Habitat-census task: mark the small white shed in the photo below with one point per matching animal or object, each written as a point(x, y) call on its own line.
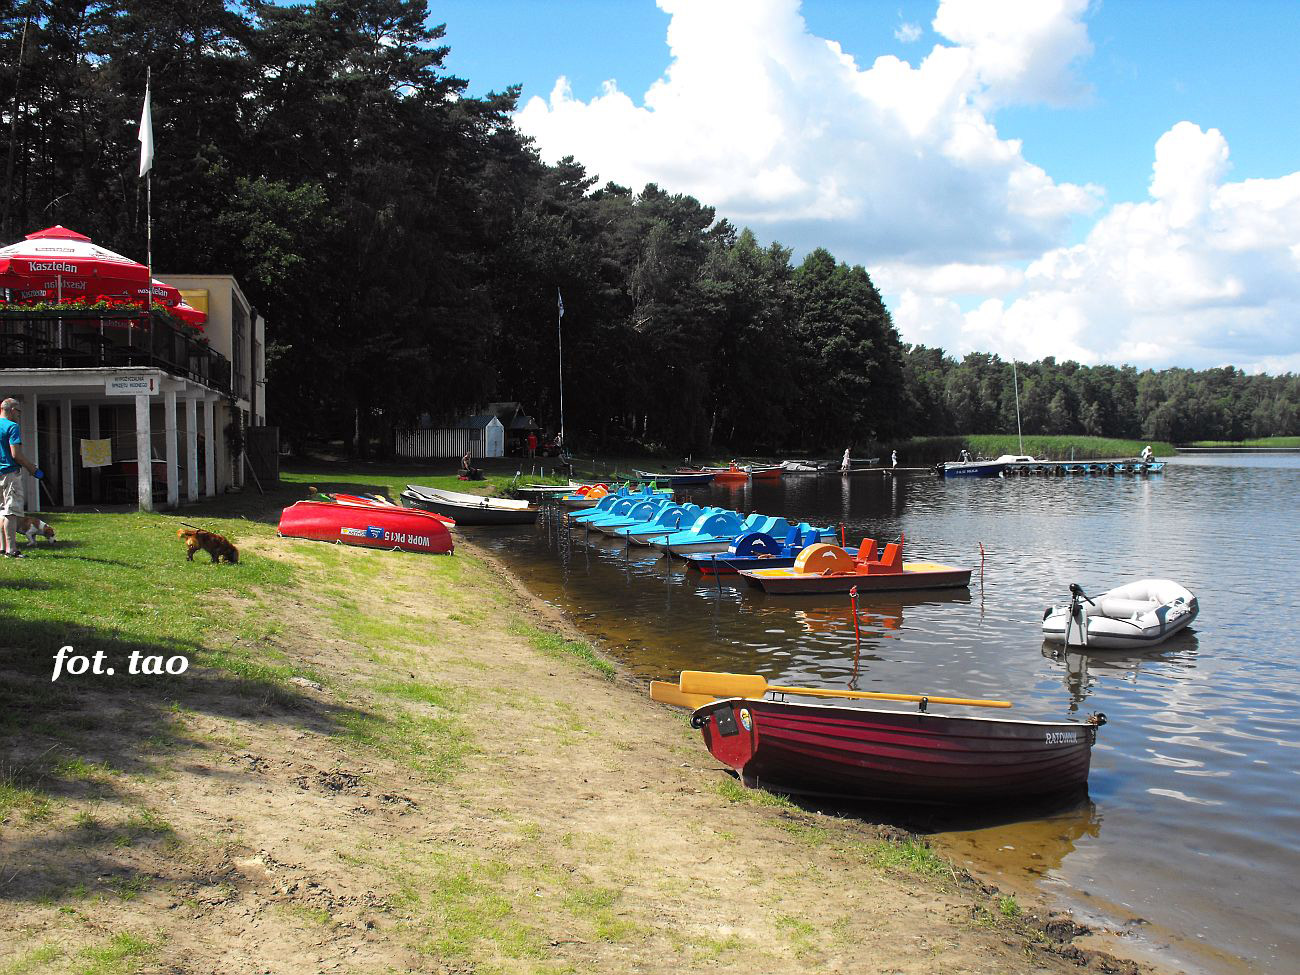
point(482, 436)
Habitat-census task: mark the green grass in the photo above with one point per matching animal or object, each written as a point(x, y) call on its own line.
point(436, 745)
point(554, 645)
point(734, 791)
point(20, 804)
point(119, 582)
point(911, 855)
point(33, 961)
point(1288, 442)
point(118, 955)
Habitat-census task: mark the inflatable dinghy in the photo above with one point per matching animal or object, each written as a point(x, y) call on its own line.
point(1139, 614)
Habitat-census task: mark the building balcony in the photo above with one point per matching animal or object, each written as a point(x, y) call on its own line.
point(99, 339)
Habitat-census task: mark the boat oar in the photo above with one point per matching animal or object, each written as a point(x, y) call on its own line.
point(754, 685)
point(666, 693)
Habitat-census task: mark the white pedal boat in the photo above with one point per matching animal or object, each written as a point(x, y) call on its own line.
point(1139, 614)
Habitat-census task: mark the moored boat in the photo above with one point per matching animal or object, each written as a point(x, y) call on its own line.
point(983, 468)
point(874, 753)
point(829, 568)
point(1139, 614)
point(678, 479)
point(469, 509)
point(894, 756)
point(760, 550)
point(369, 526)
point(729, 475)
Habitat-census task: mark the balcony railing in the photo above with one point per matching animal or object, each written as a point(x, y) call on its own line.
point(53, 340)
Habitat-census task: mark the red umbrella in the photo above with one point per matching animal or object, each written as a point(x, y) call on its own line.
point(62, 264)
point(189, 314)
point(163, 294)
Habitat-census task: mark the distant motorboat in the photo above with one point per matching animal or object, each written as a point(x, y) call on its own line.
point(984, 468)
point(682, 478)
point(1139, 614)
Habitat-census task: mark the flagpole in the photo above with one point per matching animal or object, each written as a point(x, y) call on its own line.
point(559, 341)
point(146, 171)
point(148, 194)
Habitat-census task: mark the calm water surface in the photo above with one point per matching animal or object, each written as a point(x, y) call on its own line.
point(1190, 837)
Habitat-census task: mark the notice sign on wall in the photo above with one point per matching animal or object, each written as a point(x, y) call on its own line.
point(131, 385)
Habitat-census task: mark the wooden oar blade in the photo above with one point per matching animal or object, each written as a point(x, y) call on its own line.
point(722, 685)
point(666, 693)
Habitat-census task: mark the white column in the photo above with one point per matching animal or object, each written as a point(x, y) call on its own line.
point(209, 450)
point(169, 427)
point(30, 430)
point(191, 449)
point(69, 473)
point(143, 454)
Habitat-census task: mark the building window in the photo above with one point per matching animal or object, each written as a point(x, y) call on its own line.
point(239, 348)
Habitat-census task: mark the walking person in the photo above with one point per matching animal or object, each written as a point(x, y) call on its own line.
point(12, 464)
point(532, 444)
point(845, 464)
point(893, 459)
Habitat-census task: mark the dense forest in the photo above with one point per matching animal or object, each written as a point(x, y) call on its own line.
point(408, 249)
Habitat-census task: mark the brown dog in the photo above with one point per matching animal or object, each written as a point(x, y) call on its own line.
point(217, 546)
point(31, 527)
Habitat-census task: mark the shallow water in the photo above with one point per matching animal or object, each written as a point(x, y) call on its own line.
point(1192, 828)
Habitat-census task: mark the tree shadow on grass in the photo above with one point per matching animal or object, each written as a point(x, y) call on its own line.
point(75, 738)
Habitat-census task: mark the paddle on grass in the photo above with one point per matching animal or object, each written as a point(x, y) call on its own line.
point(700, 682)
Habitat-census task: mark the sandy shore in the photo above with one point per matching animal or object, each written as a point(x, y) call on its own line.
point(456, 789)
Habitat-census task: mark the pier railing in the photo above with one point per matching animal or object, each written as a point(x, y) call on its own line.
point(54, 340)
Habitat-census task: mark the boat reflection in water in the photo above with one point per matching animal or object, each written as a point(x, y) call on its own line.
point(1081, 666)
point(1017, 846)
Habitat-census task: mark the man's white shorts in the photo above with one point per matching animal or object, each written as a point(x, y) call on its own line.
point(11, 493)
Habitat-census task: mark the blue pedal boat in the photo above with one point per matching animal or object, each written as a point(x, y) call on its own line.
point(759, 550)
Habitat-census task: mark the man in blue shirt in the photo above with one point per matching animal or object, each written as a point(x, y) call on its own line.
point(12, 463)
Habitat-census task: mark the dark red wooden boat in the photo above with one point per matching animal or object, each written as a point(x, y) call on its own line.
point(895, 756)
point(368, 525)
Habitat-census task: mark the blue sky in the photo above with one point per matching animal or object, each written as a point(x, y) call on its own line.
point(994, 173)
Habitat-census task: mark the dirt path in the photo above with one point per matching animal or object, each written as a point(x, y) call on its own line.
point(454, 790)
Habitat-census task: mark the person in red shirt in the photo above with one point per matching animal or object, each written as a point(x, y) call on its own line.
point(532, 444)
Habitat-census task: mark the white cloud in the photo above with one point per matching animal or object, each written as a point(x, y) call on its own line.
point(907, 33)
point(901, 168)
point(1204, 273)
point(1022, 50)
point(783, 131)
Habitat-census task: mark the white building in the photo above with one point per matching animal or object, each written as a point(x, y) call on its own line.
point(146, 386)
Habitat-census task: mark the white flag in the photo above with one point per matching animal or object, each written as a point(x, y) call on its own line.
point(559, 302)
point(146, 135)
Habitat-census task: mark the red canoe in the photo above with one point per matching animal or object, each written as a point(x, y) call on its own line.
point(371, 526)
point(895, 756)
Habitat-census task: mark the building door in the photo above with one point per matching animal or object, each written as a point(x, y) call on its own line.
point(496, 440)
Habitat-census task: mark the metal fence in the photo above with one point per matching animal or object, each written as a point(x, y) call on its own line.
point(447, 442)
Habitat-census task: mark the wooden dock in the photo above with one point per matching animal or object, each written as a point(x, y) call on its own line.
point(1084, 468)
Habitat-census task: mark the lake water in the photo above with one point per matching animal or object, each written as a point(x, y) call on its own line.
point(1190, 837)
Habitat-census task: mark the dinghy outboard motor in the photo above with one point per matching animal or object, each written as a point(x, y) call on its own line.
point(1077, 618)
